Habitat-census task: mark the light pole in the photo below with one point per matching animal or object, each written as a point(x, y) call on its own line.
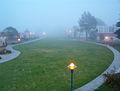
point(19, 40)
point(106, 39)
point(71, 67)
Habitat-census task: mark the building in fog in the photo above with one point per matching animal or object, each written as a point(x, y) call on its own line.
point(10, 34)
point(103, 31)
point(100, 32)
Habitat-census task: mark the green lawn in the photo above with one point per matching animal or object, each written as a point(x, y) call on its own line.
point(42, 66)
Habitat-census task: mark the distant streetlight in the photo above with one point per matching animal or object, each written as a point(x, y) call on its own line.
point(106, 38)
point(71, 67)
point(43, 33)
point(18, 40)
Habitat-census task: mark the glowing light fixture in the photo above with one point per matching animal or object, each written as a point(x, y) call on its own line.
point(106, 38)
point(19, 40)
point(72, 66)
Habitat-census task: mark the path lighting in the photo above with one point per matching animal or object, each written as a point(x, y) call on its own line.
point(71, 67)
point(106, 38)
point(43, 33)
point(19, 40)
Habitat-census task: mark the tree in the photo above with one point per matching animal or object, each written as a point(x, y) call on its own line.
point(100, 22)
point(93, 35)
point(10, 32)
point(118, 24)
point(118, 31)
point(87, 22)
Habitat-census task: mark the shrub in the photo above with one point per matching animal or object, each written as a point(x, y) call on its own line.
point(5, 51)
point(113, 81)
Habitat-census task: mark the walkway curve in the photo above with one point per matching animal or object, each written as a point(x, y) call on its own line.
point(15, 53)
point(97, 82)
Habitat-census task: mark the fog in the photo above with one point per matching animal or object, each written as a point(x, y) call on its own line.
point(54, 16)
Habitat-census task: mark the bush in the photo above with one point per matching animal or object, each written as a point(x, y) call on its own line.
point(113, 81)
point(5, 51)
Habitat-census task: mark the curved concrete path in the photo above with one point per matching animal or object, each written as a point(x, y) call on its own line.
point(15, 53)
point(97, 82)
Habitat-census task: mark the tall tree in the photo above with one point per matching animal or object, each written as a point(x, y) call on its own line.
point(100, 22)
point(118, 24)
point(93, 35)
point(10, 32)
point(87, 22)
point(118, 31)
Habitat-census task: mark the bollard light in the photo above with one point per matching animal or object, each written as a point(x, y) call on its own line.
point(106, 38)
point(71, 67)
point(19, 40)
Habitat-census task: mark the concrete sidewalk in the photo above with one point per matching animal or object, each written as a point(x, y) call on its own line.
point(15, 53)
point(97, 82)
point(10, 56)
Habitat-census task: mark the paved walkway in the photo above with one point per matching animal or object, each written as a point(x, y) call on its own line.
point(15, 53)
point(97, 82)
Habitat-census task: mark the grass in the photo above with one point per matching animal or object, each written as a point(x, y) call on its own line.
point(42, 66)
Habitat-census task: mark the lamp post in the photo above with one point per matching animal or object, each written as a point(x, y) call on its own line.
point(106, 39)
point(19, 40)
point(71, 67)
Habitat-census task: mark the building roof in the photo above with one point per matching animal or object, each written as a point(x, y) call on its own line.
point(107, 34)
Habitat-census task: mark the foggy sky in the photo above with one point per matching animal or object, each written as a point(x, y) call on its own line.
point(54, 15)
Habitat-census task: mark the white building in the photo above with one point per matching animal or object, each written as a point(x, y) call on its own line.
point(104, 31)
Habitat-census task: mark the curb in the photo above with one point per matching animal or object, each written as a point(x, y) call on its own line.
point(15, 53)
point(98, 81)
